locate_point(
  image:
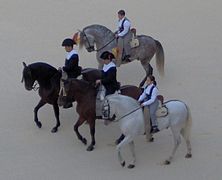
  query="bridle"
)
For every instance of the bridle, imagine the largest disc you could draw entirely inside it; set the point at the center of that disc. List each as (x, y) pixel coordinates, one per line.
(106, 108)
(91, 47)
(34, 86)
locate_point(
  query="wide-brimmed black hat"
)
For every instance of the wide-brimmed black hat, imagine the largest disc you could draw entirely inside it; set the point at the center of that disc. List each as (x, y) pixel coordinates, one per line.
(68, 42)
(107, 55)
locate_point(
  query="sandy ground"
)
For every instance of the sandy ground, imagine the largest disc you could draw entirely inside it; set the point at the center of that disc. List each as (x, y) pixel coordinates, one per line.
(190, 32)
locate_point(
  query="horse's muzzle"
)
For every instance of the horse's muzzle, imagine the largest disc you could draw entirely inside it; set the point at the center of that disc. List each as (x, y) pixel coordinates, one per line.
(90, 49)
(28, 88)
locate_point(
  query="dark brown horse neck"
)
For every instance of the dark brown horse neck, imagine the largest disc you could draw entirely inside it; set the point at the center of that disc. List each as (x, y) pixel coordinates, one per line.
(81, 90)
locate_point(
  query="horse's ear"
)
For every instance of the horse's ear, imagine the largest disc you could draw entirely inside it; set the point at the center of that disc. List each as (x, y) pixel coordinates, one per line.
(24, 64)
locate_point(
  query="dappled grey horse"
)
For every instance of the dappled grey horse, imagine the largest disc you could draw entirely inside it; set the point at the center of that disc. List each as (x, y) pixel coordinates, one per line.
(131, 121)
(104, 40)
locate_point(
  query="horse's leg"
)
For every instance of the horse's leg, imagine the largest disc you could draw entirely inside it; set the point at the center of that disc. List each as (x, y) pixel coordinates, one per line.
(177, 141)
(76, 126)
(149, 71)
(119, 139)
(92, 132)
(56, 111)
(189, 154)
(185, 132)
(125, 141)
(39, 105)
(132, 149)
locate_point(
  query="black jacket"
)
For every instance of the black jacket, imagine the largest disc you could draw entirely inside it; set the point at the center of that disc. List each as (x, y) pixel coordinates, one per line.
(109, 81)
(72, 67)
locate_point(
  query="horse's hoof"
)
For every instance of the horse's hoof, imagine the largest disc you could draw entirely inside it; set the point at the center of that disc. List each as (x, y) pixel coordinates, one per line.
(84, 141)
(123, 163)
(54, 130)
(90, 148)
(167, 162)
(131, 166)
(151, 139)
(39, 124)
(188, 155)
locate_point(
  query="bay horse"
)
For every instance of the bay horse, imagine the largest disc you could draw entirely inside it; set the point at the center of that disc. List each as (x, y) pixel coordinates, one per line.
(48, 78)
(84, 93)
(129, 114)
(104, 40)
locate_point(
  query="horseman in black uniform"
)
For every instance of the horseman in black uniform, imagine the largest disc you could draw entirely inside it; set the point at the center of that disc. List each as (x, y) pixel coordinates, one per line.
(71, 68)
(108, 79)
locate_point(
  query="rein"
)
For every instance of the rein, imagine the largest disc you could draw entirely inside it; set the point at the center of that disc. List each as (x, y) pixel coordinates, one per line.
(34, 87)
(97, 50)
(127, 114)
(105, 45)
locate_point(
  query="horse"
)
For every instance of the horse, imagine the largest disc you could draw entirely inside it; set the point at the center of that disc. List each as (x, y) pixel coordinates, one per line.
(131, 121)
(84, 93)
(104, 39)
(48, 79)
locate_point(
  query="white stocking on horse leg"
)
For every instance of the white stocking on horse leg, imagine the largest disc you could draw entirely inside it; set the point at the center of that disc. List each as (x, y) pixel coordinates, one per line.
(125, 141)
(132, 149)
(177, 141)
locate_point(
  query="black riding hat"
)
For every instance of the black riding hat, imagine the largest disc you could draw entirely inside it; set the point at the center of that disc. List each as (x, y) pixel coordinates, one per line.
(68, 42)
(107, 55)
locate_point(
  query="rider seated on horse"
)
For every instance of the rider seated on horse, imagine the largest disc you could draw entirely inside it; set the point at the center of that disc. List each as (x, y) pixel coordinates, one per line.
(108, 79)
(149, 99)
(71, 67)
(123, 36)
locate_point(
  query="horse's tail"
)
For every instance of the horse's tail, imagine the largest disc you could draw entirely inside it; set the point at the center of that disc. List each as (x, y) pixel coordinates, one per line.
(160, 58)
(187, 128)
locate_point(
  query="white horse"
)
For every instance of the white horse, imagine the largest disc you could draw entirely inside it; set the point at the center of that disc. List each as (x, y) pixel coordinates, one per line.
(131, 120)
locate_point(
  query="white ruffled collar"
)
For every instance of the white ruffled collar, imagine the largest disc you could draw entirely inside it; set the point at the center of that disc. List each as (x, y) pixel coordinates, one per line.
(69, 54)
(106, 67)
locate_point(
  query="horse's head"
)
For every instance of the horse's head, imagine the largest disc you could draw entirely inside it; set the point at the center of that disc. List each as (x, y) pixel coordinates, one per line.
(27, 77)
(87, 40)
(109, 107)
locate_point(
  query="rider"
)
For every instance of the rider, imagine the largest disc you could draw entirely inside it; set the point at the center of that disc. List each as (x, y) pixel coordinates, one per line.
(108, 79)
(71, 67)
(123, 36)
(149, 99)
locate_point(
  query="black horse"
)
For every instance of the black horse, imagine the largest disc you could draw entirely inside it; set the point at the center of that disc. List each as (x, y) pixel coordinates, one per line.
(48, 79)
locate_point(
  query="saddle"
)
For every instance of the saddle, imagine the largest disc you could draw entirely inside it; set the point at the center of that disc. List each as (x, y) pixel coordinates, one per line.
(162, 110)
(134, 42)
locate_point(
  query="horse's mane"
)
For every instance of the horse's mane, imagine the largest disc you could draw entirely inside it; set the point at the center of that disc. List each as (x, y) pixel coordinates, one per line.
(105, 31)
(42, 65)
(98, 27)
(42, 72)
(122, 97)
